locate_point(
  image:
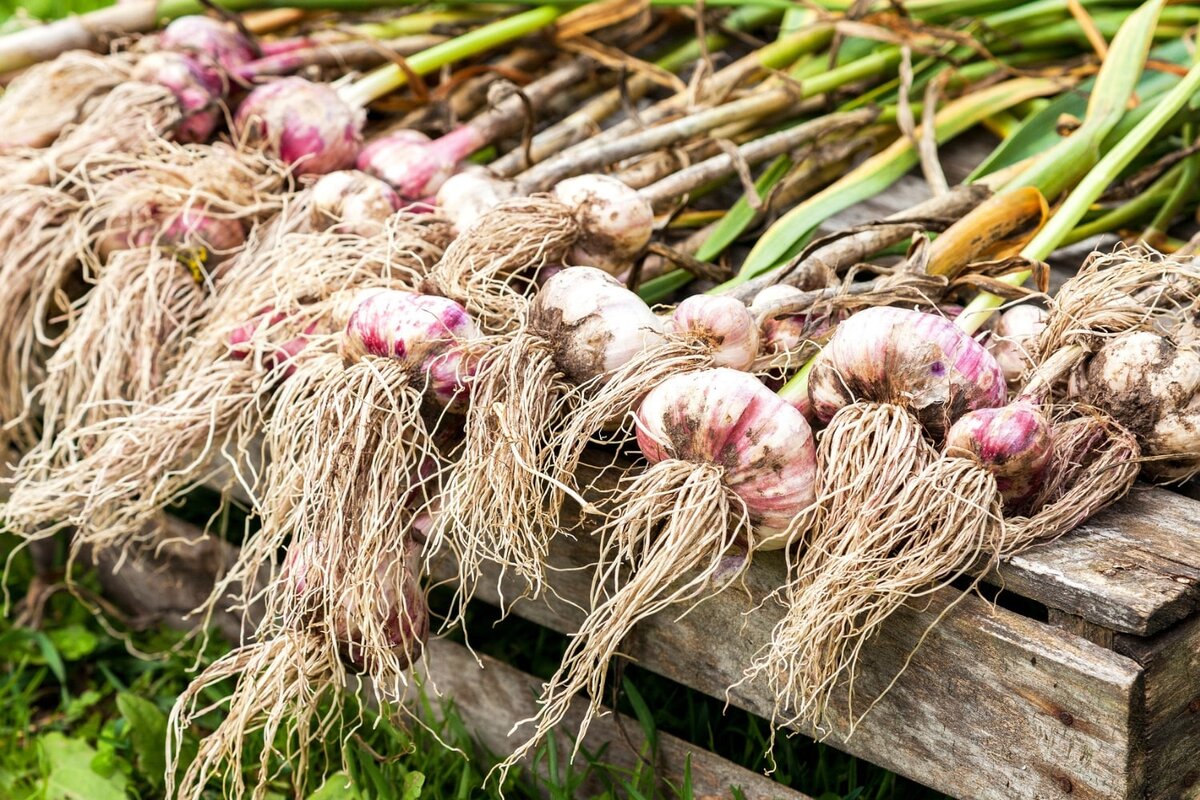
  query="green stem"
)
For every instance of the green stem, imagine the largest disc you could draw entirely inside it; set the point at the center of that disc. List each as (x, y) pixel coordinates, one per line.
(1122, 215)
(388, 78)
(421, 22)
(796, 387)
(1183, 190)
(1090, 188)
(881, 171)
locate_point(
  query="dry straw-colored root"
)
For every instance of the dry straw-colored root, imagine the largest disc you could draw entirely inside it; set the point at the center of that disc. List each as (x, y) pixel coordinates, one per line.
(605, 404)
(947, 516)
(677, 526)
(290, 686)
(129, 119)
(494, 504)
(491, 267)
(948, 519)
(1127, 289)
(41, 102)
(347, 444)
(865, 457)
(37, 261)
(123, 340)
(210, 407)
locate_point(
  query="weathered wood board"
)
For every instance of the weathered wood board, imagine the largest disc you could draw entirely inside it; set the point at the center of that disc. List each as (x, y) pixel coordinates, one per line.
(491, 697)
(1171, 735)
(1134, 569)
(993, 705)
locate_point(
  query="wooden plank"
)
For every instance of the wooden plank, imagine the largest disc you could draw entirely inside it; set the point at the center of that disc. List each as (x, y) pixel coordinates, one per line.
(993, 705)
(1171, 743)
(1134, 568)
(493, 696)
(1082, 628)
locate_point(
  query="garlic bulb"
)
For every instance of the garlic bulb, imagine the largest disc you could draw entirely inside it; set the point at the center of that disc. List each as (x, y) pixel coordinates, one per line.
(406, 326)
(593, 322)
(1153, 388)
(467, 195)
(724, 324)
(919, 361)
(305, 124)
(1012, 442)
(197, 88)
(616, 221)
(1013, 337)
(730, 419)
(349, 201)
(416, 166)
(208, 39)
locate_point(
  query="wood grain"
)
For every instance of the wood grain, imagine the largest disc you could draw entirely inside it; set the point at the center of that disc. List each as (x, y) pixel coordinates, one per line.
(491, 697)
(1135, 568)
(1171, 733)
(993, 705)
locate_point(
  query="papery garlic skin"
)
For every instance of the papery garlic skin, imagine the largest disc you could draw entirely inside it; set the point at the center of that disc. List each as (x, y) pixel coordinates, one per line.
(1013, 337)
(406, 326)
(729, 418)
(304, 124)
(920, 361)
(208, 39)
(197, 89)
(593, 322)
(616, 221)
(723, 324)
(349, 201)
(1152, 387)
(1013, 442)
(467, 195)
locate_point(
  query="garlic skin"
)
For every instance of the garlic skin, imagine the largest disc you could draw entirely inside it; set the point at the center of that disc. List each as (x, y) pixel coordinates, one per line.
(349, 201)
(788, 334)
(593, 322)
(409, 327)
(469, 194)
(207, 39)
(1013, 442)
(304, 124)
(1013, 338)
(416, 166)
(1152, 387)
(722, 323)
(922, 362)
(779, 334)
(616, 221)
(197, 89)
(729, 418)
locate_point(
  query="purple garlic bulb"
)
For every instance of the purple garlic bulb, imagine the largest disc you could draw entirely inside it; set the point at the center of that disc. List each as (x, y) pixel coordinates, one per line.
(304, 124)
(208, 39)
(197, 89)
(723, 324)
(415, 166)
(922, 362)
(1013, 442)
